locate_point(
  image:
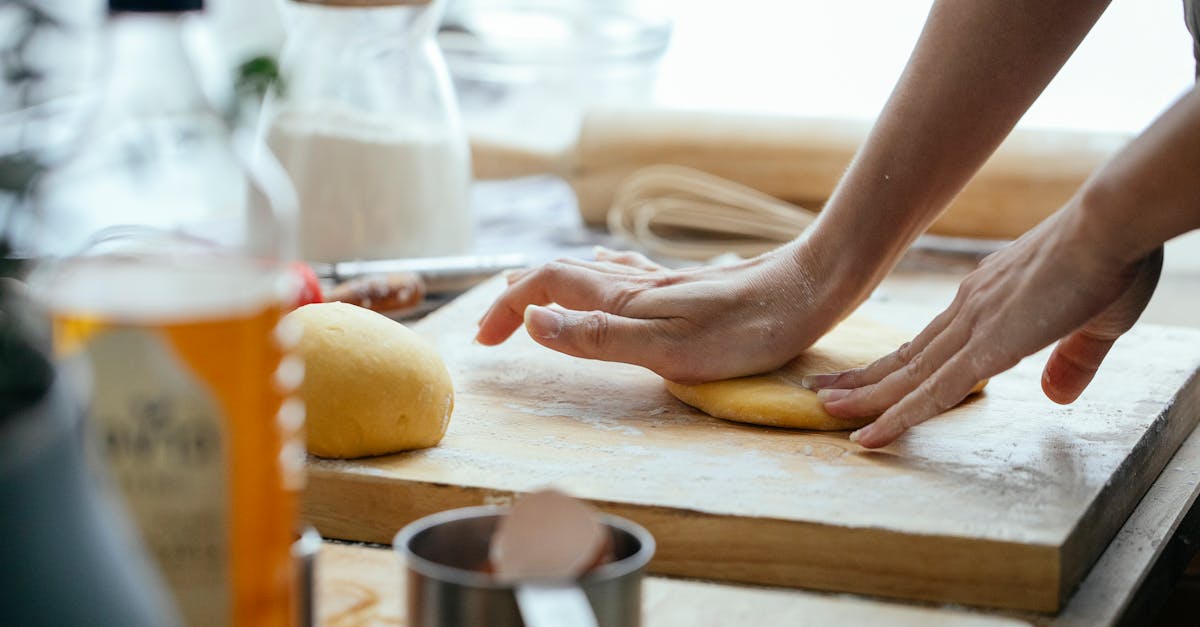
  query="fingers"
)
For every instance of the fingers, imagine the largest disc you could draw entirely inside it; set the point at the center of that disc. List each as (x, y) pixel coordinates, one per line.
(886, 365)
(567, 284)
(609, 261)
(597, 335)
(918, 381)
(905, 376)
(1072, 365)
(606, 267)
(512, 276)
(935, 380)
(1077, 357)
(858, 377)
(943, 390)
(626, 258)
(515, 276)
(574, 285)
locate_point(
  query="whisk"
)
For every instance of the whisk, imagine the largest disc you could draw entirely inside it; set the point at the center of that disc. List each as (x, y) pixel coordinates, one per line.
(685, 213)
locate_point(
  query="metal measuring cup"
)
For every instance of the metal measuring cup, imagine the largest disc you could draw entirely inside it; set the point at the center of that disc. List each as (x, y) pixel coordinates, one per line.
(446, 559)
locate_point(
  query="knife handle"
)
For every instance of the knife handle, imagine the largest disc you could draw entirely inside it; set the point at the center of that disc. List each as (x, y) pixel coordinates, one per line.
(380, 292)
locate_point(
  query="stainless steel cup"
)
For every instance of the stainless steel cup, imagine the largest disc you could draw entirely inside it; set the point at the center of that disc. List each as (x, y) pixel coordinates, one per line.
(446, 556)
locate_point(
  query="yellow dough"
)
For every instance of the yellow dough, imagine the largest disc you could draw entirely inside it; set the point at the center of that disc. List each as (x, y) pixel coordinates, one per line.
(371, 385)
(777, 399)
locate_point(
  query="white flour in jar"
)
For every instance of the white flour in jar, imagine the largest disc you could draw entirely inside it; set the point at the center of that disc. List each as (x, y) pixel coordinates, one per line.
(372, 188)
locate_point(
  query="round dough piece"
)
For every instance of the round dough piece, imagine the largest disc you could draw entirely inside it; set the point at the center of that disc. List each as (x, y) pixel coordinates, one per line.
(777, 399)
(371, 385)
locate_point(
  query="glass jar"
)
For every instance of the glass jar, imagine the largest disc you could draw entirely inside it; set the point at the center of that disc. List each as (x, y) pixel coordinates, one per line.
(163, 266)
(526, 71)
(366, 124)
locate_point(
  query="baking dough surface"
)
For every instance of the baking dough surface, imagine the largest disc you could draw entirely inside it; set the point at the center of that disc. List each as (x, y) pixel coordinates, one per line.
(777, 399)
(371, 385)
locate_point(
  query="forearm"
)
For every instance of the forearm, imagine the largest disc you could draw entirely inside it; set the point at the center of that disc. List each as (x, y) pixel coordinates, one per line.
(1150, 191)
(976, 68)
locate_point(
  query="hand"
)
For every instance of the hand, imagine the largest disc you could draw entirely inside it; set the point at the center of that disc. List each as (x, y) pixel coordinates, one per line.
(687, 325)
(1054, 283)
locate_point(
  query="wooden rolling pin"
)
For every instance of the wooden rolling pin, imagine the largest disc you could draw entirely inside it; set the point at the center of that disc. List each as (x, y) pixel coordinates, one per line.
(800, 160)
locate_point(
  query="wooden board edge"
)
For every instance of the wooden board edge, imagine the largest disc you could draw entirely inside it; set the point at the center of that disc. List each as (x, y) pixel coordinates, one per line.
(770, 552)
(1117, 500)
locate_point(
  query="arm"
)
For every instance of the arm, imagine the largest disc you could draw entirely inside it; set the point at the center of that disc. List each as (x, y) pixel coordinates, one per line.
(976, 68)
(1150, 191)
(1081, 277)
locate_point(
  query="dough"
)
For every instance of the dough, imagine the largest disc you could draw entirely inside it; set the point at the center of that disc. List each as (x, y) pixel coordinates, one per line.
(777, 399)
(371, 385)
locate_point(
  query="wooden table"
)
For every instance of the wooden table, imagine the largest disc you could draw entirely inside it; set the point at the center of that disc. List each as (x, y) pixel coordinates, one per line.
(362, 585)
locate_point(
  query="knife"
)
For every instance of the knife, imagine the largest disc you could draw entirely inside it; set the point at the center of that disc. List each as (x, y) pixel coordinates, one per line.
(440, 274)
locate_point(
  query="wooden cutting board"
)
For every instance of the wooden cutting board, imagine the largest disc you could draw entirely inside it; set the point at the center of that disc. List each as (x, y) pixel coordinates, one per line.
(1005, 501)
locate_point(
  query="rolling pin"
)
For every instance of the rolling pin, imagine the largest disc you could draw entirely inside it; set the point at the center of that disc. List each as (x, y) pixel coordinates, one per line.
(799, 160)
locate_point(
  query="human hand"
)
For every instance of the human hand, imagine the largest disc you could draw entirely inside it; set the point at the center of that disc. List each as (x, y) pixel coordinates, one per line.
(688, 325)
(1054, 283)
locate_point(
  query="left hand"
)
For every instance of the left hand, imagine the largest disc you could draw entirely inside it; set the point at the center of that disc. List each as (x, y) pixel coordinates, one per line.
(1055, 283)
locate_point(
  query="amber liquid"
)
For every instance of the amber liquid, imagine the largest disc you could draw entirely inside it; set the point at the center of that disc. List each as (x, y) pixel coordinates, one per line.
(221, 324)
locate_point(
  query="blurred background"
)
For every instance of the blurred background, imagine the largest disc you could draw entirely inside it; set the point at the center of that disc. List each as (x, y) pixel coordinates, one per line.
(524, 72)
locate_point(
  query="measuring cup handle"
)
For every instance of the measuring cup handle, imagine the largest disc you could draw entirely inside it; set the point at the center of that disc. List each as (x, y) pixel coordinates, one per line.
(554, 605)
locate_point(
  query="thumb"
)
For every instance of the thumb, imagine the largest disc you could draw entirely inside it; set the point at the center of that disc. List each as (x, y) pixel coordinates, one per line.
(592, 334)
(1077, 357)
(1073, 364)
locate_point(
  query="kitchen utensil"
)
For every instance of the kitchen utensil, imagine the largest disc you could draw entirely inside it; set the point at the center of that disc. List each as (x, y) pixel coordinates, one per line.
(446, 554)
(524, 70)
(440, 274)
(798, 160)
(400, 286)
(688, 214)
(304, 551)
(542, 546)
(369, 132)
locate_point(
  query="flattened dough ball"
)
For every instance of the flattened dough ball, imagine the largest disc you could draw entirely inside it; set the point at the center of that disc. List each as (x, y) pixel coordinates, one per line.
(371, 385)
(777, 398)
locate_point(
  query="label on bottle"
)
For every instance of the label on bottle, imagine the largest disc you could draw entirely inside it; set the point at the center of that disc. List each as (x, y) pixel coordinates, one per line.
(162, 433)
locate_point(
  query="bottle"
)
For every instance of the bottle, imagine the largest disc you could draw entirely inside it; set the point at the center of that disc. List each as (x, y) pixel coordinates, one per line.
(74, 557)
(366, 124)
(164, 270)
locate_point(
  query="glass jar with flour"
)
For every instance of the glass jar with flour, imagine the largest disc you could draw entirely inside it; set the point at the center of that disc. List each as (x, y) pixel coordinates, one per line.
(366, 124)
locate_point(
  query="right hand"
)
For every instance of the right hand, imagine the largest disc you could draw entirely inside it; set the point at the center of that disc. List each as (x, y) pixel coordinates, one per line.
(689, 326)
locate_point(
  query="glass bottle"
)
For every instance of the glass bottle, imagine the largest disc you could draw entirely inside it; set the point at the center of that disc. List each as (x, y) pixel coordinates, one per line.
(366, 125)
(163, 268)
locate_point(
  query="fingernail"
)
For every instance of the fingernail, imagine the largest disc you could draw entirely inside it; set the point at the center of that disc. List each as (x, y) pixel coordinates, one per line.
(860, 434)
(542, 322)
(831, 395)
(815, 382)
